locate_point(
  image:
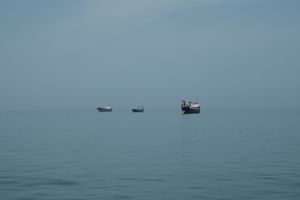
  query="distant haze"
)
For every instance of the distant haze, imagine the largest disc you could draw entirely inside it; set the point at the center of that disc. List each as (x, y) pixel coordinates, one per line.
(81, 54)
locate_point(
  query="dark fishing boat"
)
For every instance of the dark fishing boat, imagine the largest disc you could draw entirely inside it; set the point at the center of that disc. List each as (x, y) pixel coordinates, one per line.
(190, 107)
(138, 109)
(105, 109)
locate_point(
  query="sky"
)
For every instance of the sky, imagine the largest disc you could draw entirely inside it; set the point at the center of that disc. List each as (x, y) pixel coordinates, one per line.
(71, 54)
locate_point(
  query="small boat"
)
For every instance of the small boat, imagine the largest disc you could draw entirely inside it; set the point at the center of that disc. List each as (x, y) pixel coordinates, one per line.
(105, 109)
(190, 107)
(138, 109)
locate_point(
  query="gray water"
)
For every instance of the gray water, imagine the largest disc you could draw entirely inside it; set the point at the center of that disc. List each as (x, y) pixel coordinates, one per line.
(151, 155)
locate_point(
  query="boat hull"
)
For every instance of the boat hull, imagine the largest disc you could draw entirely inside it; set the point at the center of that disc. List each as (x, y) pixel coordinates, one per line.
(188, 110)
(104, 109)
(137, 110)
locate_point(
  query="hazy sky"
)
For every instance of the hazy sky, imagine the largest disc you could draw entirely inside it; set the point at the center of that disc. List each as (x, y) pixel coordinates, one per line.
(70, 54)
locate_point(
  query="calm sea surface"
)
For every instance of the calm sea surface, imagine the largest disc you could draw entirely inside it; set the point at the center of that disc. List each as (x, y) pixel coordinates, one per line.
(152, 155)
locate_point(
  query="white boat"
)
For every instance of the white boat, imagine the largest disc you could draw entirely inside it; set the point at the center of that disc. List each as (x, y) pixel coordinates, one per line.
(105, 109)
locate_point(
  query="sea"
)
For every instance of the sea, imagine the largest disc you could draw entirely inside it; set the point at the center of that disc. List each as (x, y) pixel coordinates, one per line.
(155, 155)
